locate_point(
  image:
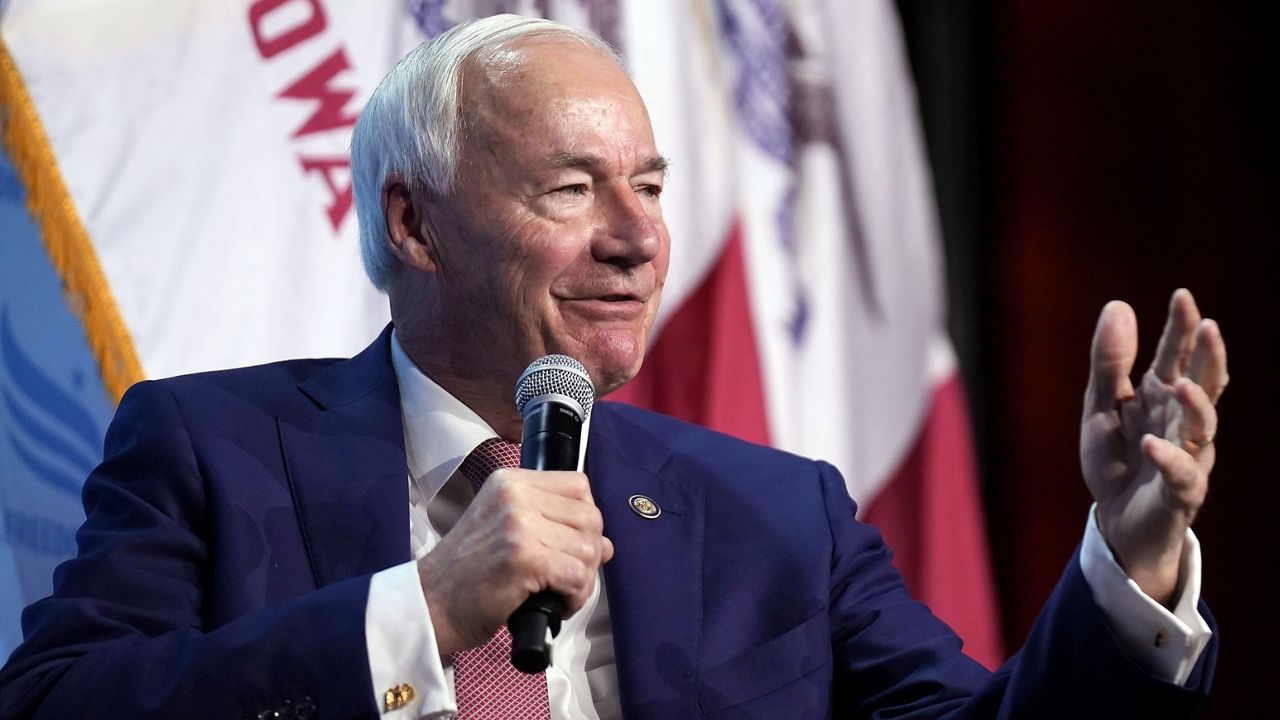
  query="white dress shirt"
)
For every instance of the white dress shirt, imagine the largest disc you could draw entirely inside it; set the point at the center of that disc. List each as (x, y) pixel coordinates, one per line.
(582, 681)
(439, 433)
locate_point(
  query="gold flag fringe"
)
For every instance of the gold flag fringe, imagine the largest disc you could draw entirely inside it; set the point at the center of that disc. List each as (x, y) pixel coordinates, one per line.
(64, 235)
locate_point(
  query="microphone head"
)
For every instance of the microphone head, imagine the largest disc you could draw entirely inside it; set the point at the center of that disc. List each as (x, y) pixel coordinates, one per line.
(555, 377)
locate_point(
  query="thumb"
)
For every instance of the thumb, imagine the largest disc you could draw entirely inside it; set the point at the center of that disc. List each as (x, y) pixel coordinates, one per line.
(1115, 347)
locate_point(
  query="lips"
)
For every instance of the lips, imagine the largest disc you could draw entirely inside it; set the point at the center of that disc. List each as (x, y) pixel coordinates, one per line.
(610, 306)
(611, 294)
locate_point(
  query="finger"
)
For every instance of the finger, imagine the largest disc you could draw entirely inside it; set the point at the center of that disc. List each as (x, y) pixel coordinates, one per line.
(555, 499)
(1178, 339)
(563, 483)
(571, 512)
(1199, 422)
(569, 576)
(546, 556)
(1209, 361)
(568, 541)
(1115, 345)
(1185, 482)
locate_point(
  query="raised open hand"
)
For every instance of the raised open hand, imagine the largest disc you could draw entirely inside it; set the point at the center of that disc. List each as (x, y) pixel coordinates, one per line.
(1146, 453)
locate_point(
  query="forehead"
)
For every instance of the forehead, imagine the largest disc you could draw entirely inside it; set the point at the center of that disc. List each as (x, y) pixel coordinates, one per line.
(549, 88)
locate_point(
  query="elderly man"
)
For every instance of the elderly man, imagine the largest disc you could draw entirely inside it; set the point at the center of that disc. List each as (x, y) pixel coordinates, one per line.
(326, 538)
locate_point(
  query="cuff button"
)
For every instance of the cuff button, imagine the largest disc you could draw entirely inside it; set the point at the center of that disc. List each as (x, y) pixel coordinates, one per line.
(397, 697)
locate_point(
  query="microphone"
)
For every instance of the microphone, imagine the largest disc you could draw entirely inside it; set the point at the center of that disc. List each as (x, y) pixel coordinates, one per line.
(554, 395)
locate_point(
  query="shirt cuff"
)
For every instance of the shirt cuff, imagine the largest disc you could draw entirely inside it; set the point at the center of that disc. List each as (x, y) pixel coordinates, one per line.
(409, 679)
(1165, 644)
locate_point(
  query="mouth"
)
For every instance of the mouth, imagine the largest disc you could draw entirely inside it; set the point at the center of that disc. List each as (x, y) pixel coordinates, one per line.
(609, 306)
(617, 294)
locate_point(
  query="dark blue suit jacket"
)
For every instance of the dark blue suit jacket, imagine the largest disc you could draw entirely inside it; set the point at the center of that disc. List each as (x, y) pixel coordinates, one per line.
(237, 517)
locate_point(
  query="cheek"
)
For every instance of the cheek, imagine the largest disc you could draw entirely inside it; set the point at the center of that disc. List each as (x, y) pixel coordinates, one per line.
(662, 262)
(540, 269)
(563, 264)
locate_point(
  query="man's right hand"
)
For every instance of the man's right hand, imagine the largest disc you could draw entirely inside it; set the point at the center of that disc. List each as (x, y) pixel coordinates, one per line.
(527, 530)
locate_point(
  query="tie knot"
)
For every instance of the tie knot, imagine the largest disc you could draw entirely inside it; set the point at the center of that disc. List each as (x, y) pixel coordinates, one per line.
(488, 456)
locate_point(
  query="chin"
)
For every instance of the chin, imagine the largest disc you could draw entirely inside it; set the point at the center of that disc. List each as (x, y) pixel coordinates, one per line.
(614, 362)
(614, 380)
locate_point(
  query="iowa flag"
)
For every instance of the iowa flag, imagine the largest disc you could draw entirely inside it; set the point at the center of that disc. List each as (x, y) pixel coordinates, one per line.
(181, 171)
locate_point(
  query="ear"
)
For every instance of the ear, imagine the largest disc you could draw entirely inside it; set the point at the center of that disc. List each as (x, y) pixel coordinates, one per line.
(407, 234)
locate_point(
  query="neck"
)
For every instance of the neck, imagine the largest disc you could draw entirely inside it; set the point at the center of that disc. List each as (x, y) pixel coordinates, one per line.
(475, 381)
(495, 406)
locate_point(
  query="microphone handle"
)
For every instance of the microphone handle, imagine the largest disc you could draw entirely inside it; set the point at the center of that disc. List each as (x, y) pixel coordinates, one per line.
(528, 625)
(552, 438)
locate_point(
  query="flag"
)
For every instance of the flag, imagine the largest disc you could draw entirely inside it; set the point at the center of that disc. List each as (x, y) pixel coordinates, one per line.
(810, 313)
(185, 166)
(53, 412)
(176, 198)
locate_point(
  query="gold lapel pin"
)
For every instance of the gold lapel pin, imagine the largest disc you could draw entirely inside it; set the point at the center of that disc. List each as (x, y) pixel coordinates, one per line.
(644, 507)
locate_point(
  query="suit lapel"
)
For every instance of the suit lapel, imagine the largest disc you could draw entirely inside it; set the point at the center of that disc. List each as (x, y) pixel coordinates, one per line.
(346, 465)
(345, 460)
(654, 582)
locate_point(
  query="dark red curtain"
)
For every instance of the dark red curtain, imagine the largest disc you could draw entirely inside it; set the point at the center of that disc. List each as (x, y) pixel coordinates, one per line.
(1132, 150)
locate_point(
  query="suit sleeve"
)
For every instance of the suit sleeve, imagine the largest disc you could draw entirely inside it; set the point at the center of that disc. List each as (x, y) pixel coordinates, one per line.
(895, 659)
(123, 635)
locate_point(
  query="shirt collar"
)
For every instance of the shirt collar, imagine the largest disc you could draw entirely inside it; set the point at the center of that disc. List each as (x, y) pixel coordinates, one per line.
(439, 430)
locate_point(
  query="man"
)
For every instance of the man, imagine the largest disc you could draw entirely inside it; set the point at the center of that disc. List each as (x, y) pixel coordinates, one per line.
(253, 548)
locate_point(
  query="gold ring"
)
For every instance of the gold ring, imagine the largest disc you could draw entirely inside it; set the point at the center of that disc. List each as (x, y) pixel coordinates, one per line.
(1203, 442)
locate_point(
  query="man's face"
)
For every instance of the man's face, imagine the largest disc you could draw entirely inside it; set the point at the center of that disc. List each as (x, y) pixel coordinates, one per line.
(553, 240)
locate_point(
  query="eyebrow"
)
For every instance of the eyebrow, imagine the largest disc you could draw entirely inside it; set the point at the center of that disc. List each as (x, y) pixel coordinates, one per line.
(654, 163)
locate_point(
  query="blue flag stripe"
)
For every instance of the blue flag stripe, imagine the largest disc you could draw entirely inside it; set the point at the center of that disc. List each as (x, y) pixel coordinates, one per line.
(40, 432)
(35, 384)
(51, 475)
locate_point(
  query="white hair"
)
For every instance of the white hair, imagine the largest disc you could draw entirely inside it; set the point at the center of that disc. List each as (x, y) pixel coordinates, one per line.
(412, 127)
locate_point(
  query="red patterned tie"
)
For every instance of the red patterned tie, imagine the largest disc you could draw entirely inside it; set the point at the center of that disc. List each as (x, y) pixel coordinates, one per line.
(487, 686)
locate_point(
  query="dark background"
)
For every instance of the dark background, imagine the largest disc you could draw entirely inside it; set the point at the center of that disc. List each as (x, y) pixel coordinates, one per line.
(1091, 150)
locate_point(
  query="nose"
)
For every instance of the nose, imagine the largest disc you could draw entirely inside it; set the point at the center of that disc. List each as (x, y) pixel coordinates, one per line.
(632, 232)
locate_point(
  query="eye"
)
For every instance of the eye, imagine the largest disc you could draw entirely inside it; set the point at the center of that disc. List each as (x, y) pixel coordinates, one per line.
(575, 189)
(650, 189)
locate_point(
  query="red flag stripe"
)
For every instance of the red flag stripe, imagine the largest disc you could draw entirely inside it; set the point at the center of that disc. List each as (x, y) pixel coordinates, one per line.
(931, 515)
(704, 366)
